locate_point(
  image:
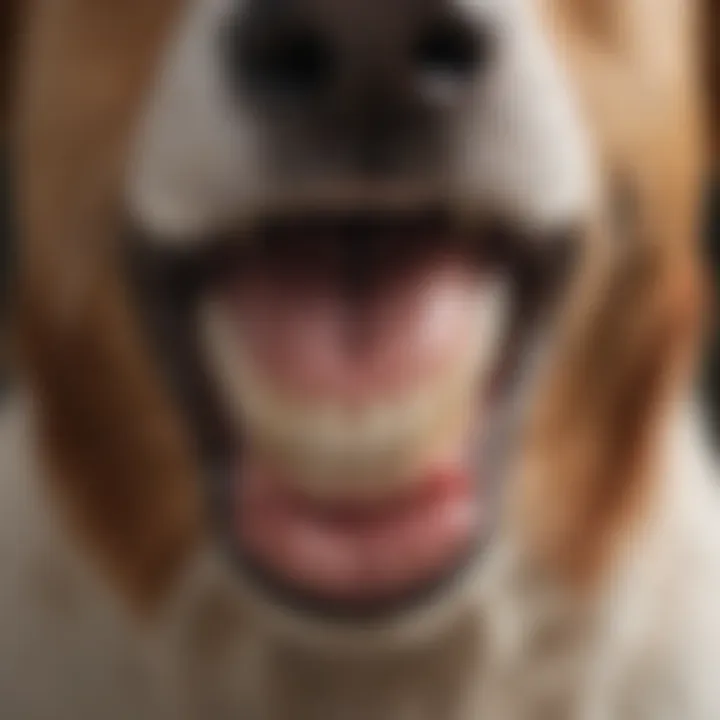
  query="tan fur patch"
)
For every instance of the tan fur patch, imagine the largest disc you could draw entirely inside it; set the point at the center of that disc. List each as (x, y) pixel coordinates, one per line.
(711, 24)
(589, 475)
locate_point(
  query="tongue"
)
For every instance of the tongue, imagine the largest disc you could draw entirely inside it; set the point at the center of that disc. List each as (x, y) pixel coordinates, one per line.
(353, 554)
(315, 339)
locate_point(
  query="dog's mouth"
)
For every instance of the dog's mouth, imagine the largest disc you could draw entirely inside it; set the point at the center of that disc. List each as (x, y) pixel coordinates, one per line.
(358, 362)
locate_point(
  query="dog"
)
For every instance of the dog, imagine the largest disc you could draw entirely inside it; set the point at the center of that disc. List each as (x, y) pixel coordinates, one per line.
(355, 348)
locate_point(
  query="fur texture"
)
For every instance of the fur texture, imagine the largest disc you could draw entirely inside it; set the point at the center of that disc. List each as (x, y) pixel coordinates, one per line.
(601, 599)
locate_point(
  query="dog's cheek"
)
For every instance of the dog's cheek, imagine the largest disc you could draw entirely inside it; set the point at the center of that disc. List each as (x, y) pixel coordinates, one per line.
(588, 478)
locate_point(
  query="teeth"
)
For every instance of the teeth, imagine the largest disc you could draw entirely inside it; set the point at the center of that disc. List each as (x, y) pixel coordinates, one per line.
(367, 454)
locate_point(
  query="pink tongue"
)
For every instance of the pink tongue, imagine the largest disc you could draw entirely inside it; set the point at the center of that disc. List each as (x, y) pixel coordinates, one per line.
(304, 332)
(360, 555)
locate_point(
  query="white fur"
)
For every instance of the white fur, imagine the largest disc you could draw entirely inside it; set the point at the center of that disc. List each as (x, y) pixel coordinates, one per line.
(648, 650)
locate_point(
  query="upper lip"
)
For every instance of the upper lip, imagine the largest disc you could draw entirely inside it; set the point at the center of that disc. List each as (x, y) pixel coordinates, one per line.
(494, 239)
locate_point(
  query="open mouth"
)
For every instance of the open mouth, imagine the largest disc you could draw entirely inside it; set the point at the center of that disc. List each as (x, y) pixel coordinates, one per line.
(358, 362)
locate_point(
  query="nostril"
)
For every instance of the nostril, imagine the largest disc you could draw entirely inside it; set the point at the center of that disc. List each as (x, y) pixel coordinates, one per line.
(450, 51)
(290, 61)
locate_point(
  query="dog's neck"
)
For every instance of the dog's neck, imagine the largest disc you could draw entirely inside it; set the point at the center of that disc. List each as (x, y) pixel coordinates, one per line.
(463, 673)
(436, 679)
(516, 652)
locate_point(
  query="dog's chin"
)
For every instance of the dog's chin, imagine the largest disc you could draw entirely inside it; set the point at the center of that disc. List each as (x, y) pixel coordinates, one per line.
(413, 605)
(359, 372)
(420, 622)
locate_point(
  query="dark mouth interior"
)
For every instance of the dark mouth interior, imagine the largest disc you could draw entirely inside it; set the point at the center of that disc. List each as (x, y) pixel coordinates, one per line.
(360, 243)
(365, 250)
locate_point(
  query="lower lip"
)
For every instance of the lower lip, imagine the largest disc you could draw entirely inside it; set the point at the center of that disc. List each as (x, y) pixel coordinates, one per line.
(358, 554)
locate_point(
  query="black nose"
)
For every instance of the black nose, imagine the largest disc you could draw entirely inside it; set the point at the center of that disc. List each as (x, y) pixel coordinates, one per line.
(277, 55)
(374, 76)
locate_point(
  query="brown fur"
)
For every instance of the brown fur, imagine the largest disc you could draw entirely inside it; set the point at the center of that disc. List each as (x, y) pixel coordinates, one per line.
(638, 310)
(120, 462)
(9, 30)
(118, 458)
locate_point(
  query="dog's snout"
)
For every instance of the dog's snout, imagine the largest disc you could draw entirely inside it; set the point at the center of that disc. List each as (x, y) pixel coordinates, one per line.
(285, 106)
(370, 81)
